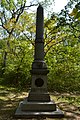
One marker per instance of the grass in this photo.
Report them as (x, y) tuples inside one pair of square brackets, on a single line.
[(10, 97)]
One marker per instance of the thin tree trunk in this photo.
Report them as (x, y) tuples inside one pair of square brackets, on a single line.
[(4, 62)]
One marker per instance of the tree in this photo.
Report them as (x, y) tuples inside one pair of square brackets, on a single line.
[(62, 44), (62, 50), (17, 35)]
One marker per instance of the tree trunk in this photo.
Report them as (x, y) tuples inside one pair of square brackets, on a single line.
[(4, 62)]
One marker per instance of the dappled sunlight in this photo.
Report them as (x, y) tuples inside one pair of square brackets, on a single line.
[(9, 101), (22, 95), (69, 103)]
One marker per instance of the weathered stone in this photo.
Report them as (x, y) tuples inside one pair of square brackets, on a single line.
[(37, 114), (38, 102), (38, 106)]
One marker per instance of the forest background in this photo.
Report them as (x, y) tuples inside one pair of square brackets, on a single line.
[(62, 44)]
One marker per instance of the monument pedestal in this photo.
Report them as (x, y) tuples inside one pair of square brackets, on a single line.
[(38, 109), (38, 102)]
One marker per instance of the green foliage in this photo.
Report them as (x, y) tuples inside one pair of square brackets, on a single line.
[(63, 51), (62, 46), (64, 69), (11, 4), (76, 12), (18, 63)]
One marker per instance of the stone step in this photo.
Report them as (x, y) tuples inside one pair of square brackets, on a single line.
[(38, 106)]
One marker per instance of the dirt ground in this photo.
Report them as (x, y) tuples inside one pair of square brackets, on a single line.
[(9, 100)]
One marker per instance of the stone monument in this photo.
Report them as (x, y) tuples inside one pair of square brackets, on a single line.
[(38, 102)]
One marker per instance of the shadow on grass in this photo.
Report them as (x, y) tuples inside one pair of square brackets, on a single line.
[(10, 98), (69, 103)]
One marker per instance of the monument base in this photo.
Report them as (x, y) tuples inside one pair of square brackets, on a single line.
[(38, 109), (39, 97)]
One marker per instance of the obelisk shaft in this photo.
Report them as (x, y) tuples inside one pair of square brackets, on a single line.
[(39, 42), (39, 23)]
